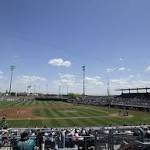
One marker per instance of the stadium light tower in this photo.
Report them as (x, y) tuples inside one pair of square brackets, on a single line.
[(83, 69), (108, 87), (12, 67), (47, 89), (59, 90), (67, 89)]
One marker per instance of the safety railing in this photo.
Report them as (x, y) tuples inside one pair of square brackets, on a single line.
[(107, 138)]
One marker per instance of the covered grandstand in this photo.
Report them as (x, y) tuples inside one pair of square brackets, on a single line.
[(135, 93)]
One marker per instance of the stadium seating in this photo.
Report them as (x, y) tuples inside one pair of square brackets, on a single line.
[(98, 138), (139, 102)]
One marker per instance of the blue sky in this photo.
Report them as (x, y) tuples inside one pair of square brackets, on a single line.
[(112, 38)]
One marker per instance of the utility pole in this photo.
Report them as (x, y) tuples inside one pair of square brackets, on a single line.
[(12, 67), (83, 69)]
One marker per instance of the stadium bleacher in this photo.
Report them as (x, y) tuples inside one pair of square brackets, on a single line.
[(98, 138), (134, 101)]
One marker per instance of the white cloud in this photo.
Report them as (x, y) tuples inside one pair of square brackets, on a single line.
[(94, 81), (131, 76), (121, 82), (110, 69), (74, 83), (121, 59), (1, 72), (59, 62), (66, 80), (31, 79), (147, 68), (127, 83), (68, 83), (140, 83), (121, 69)]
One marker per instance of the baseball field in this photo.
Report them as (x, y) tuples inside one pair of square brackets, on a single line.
[(60, 114)]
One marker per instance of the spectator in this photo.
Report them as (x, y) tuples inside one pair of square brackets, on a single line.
[(25, 143), (3, 123), (39, 140), (50, 143)]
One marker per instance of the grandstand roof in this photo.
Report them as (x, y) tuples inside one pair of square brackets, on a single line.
[(133, 89)]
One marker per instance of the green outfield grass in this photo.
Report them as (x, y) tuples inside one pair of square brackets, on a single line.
[(59, 114)]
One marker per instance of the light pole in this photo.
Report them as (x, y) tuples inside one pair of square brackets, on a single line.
[(47, 90), (34, 88), (108, 83), (108, 87), (67, 89), (12, 67), (83, 69), (59, 90), (108, 90)]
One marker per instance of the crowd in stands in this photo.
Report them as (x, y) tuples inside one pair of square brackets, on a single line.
[(79, 138), (113, 101), (92, 100), (131, 102), (52, 138), (16, 98)]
